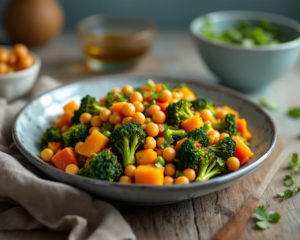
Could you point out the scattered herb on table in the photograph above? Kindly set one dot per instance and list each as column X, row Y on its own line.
column 289, row 180
column 264, row 219
column 298, row 136
column 294, row 112
column 268, row 104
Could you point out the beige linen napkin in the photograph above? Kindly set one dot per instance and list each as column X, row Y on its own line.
column 27, row 201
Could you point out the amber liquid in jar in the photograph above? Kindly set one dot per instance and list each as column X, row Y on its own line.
column 115, row 48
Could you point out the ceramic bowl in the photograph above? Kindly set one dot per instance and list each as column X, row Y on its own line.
column 247, row 69
column 35, row 117
column 17, row 84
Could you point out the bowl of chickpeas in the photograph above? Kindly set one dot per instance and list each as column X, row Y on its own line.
column 18, row 71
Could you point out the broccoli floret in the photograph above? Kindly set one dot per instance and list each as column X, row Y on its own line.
column 103, row 166
column 88, row 104
column 224, row 148
column 114, row 97
column 172, row 135
column 76, row 133
column 227, row 124
column 203, row 103
column 179, row 111
column 125, row 140
column 52, row 134
column 188, row 155
column 210, row 165
column 199, row 135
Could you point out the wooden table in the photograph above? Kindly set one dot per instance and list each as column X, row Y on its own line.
column 174, row 53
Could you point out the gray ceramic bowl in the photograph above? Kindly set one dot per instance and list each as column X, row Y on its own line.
column 247, row 69
column 34, row 118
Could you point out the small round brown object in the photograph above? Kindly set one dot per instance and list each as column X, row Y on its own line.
column 139, row 107
column 129, row 170
column 85, row 118
column 125, row 179
column 47, row 154
column 127, row 89
column 3, row 68
column 105, row 114
column 126, row 120
column 138, row 117
column 115, row 118
column 4, row 55
column 168, row 180
column 77, row 146
column 20, row 50
column 96, row 121
column 159, row 117
column 170, row 170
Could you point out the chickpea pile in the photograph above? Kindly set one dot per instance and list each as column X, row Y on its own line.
column 148, row 108
column 15, row 60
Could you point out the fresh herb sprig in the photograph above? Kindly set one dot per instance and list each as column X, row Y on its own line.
column 264, row 219
column 294, row 112
column 269, row 104
column 289, row 180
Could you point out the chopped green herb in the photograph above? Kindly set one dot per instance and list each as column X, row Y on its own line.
column 288, row 181
column 160, row 162
column 269, row 104
column 178, row 174
column 298, row 136
column 264, row 218
column 294, row 112
column 294, row 161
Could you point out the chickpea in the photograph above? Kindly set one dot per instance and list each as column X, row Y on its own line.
column 117, row 125
column 182, row 180
column 127, row 89
column 159, row 117
column 167, row 96
column 104, row 115
column 224, row 135
column 169, row 154
column 136, row 96
column 170, row 170
column 126, row 120
column 4, row 55
column 129, row 171
column 139, row 107
column 150, row 143
column 96, row 121
column 116, row 90
column 152, row 129
column 138, row 117
column 3, row 68
column 207, row 115
column 152, row 109
column 159, row 151
column 115, row 118
column 77, row 146
column 128, row 109
column 168, row 180
column 12, row 60
column 20, row 50
column 72, row 169
column 47, row 154
column 160, row 141
column 220, row 113
column 190, row 174
column 214, row 137
column 233, row 164
column 144, row 126
column 85, row 118
column 26, row 62
column 92, row 129
column 125, row 179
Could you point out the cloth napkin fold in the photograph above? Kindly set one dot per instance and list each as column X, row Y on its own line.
column 28, row 201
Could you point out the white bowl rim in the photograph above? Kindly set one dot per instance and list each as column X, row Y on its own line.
column 250, row 15
column 22, row 73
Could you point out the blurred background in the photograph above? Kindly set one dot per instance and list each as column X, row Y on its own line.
column 172, row 14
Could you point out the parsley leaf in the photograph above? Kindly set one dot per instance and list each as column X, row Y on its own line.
column 265, row 218
column 294, row 112
column 286, row 194
column 269, row 104
column 178, row 174
column 288, row 181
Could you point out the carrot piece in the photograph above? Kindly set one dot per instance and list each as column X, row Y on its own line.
column 192, row 123
column 145, row 156
column 188, row 94
column 179, row 143
column 54, row 146
column 158, row 87
column 102, row 101
column 117, row 107
column 63, row 158
column 65, row 118
column 94, row 143
column 71, row 106
column 163, row 105
column 230, row 110
column 242, row 152
column 206, row 115
column 145, row 88
column 242, row 128
column 149, row 174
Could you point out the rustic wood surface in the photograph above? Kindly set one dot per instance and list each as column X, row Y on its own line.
column 174, row 53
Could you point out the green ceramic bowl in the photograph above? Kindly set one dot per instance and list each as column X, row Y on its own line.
column 247, row 69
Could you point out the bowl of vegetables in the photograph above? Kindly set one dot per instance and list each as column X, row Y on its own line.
column 247, row 50
column 144, row 142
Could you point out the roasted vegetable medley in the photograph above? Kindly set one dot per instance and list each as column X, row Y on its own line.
column 147, row 135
